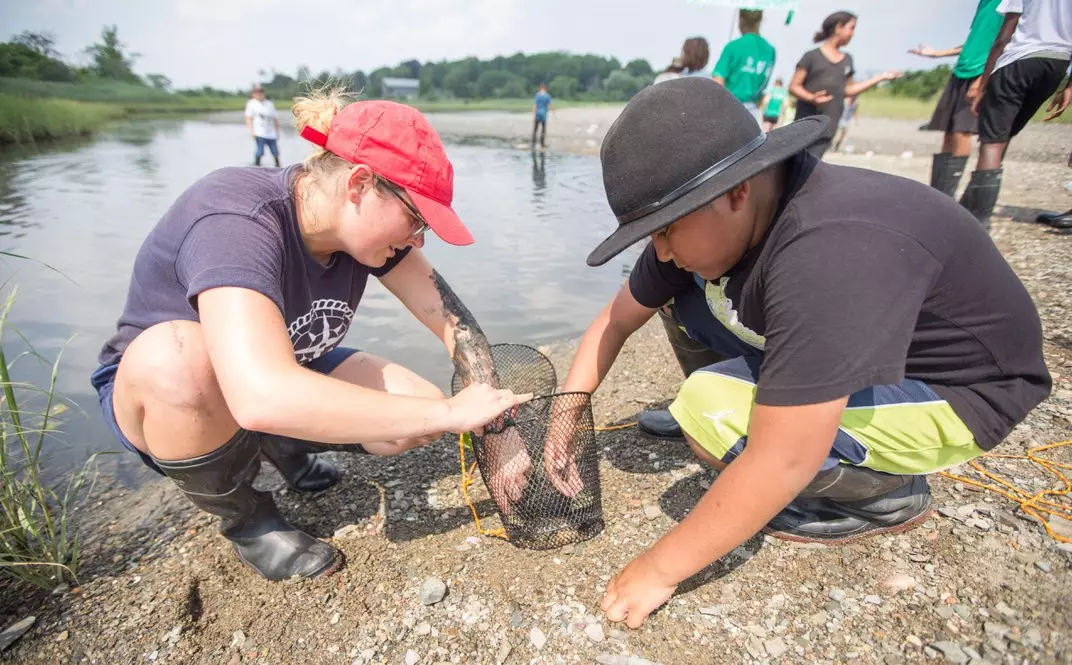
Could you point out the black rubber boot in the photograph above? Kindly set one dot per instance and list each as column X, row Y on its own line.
column 851, row 502
column 1058, row 220
column 298, row 463
column 691, row 356
column 946, row 171
column 221, row 483
column 981, row 195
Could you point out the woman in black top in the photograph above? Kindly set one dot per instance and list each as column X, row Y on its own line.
column 823, row 77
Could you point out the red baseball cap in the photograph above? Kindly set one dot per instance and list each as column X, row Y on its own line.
column 396, row 141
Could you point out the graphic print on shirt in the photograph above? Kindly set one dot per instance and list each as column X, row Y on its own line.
column 320, row 329
column 722, row 308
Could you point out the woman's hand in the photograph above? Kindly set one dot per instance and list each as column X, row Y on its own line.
column 477, row 405
column 821, row 97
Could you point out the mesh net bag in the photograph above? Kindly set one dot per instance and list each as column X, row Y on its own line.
column 540, row 464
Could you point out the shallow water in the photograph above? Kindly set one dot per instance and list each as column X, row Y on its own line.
column 84, row 207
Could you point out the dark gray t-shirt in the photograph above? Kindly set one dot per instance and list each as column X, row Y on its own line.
column 866, row 279
column 829, row 76
column 238, row 227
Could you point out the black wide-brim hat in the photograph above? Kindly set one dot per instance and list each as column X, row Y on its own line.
column 677, row 146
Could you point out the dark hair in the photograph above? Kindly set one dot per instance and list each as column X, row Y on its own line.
column 832, row 23
column 694, row 53
column 778, row 81
column 749, row 19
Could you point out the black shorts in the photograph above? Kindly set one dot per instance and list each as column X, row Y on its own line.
column 1013, row 95
column 953, row 111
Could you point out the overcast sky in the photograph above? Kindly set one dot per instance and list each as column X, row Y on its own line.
column 224, row 43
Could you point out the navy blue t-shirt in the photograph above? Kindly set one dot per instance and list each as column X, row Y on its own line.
column 238, row 226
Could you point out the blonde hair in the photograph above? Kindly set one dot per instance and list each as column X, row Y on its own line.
column 316, row 109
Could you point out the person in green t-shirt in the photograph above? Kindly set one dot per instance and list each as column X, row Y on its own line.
column 953, row 114
column 773, row 105
column 746, row 63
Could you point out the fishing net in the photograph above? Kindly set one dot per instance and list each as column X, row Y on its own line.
column 540, row 463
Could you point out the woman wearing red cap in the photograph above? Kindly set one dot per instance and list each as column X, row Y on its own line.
column 227, row 348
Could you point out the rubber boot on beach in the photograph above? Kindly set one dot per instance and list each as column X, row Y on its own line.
column 981, row 195
column 946, row 171
column 691, row 356
column 221, row 483
column 849, row 502
column 299, row 463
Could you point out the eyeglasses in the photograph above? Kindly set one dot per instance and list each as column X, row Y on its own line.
column 417, row 216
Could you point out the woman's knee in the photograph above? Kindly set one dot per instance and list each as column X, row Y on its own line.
column 371, row 371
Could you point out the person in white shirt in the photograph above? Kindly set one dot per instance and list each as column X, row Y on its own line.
column 1025, row 68
column 263, row 123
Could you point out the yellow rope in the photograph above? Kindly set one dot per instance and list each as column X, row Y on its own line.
column 464, row 440
column 1031, row 504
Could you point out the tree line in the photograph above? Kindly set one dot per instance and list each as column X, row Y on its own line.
column 569, row 76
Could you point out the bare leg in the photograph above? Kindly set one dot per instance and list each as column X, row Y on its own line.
column 991, row 156
column 704, row 456
column 957, row 143
column 168, row 402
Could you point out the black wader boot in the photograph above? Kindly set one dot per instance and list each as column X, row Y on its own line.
column 298, row 463
column 691, row 356
column 982, row 195
column 946, row 171
column 221, row 483
column 849, row 502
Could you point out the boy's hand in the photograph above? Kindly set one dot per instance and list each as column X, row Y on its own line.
column 636, row 592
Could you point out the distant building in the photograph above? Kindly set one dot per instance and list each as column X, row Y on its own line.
column 400, row 88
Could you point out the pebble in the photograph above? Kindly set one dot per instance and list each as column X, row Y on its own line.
column 900, row 582
column 423, row 628
column 775, row 647
column 62, row 637
column 345, row 531
column 874, row 600
column 947, row 511
column 616, row 634
column 651, row 512
column 432, row 591
column 963, row 611
column 594, row 632
column 61, row 589
column 503, row 653
column 952, row 652
column 914, row 641
column 837, row 595
column 777, row 602
column 537, row 638
column 1044, row 566
column 945, row 611
column 1004, row 609
column 412, row 657
column 335, row 618
column 614, row 659
column 756, row 629
column 516, row 619
column 995, row 629
column 238, row 639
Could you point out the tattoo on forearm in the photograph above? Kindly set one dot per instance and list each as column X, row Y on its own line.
column 472, row 356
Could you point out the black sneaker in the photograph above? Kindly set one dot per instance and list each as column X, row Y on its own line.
column 660, row 424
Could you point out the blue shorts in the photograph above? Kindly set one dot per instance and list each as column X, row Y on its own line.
column 103, row 381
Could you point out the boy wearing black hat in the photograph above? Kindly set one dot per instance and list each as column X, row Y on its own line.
column 873, row 333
